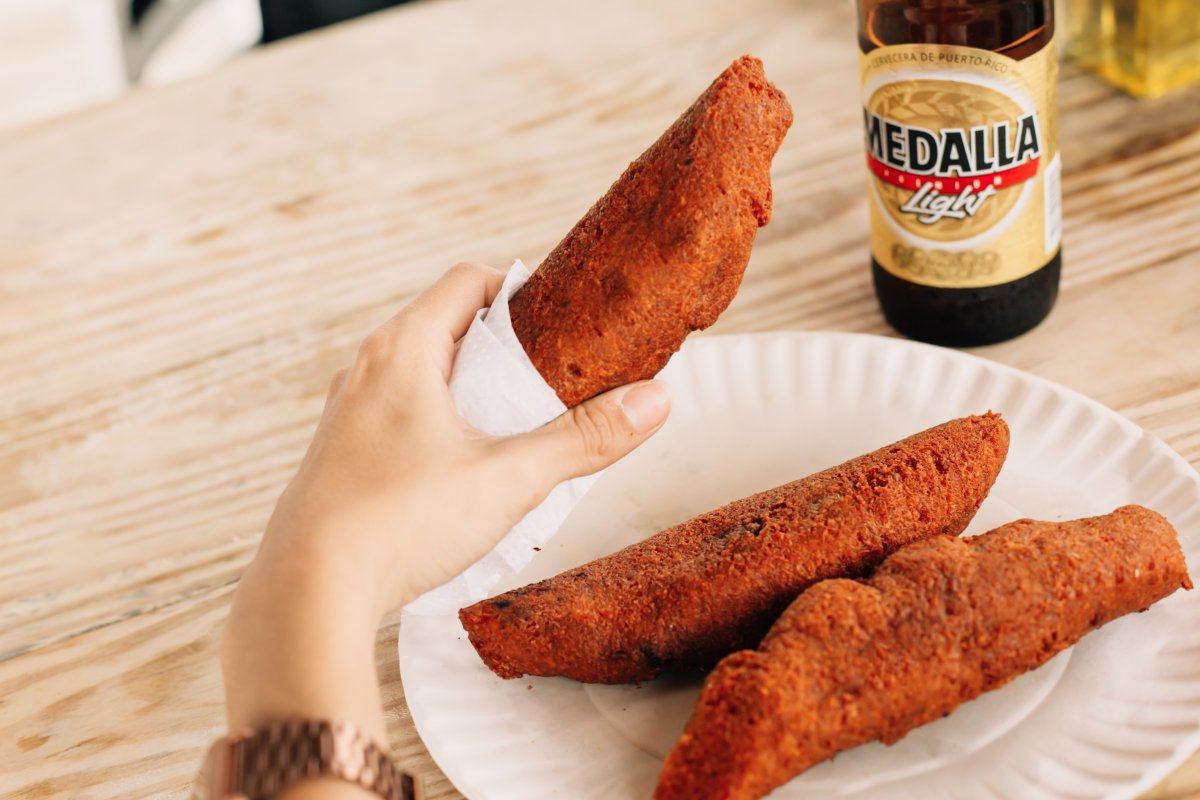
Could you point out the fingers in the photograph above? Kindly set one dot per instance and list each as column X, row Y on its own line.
column 593, row 434
column 426, row 329
column 335, row 384
column 450, row 304
column 335, row 387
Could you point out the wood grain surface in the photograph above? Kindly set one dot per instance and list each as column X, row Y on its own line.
column 181, row 271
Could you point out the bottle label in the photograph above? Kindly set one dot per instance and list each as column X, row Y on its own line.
column 963, row 166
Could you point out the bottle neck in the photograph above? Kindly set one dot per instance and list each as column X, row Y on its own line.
column 1016, row 28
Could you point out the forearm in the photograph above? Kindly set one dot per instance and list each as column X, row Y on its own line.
column 326, row 789
column 375, row 516
column 299, row 644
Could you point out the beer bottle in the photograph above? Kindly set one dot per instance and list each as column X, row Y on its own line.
column 963, row 168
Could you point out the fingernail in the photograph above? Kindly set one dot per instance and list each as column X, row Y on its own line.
column 645, row 405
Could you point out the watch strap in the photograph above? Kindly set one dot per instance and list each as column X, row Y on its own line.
column 259, row 764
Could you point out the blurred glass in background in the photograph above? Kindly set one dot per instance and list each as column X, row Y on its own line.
column 1147, row 47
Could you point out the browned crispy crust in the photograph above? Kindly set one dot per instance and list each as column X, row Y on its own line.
column 693, row 593
column 941, row 622
column 662, row 253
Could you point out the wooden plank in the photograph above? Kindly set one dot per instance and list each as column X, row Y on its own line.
column 181, row 271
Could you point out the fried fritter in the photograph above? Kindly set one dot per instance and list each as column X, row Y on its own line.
column 688, row 596
column 941, row 622
column 662, row 253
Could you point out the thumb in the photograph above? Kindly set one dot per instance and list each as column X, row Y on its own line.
column 595, row 433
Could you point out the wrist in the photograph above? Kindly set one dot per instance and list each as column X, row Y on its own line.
column 299, row 644
column 319, row 566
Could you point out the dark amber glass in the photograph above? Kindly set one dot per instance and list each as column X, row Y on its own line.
column 986, row 315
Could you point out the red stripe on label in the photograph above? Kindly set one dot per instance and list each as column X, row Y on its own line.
column 907, row 180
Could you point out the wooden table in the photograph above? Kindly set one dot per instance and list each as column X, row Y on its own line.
column 182, row 270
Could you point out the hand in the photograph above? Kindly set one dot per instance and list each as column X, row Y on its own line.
column 395, row 496
column 399, row 486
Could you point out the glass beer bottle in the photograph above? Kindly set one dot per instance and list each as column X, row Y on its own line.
column 961, row 131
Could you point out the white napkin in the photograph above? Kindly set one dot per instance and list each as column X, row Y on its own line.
column 497, row 390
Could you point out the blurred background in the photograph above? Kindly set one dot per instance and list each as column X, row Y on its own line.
column 60, row 55
column 57, row 56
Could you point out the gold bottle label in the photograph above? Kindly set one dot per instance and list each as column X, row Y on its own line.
column 963, row 167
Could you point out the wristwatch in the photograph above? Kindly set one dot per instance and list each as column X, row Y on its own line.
column 248, row 765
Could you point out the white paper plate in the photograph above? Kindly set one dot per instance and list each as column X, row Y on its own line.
column 1105, row 719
